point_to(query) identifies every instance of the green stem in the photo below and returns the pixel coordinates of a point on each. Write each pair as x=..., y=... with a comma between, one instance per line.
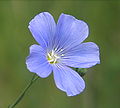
x=34, y=78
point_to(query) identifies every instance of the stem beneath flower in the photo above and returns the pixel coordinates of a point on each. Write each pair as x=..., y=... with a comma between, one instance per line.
x=34, y=78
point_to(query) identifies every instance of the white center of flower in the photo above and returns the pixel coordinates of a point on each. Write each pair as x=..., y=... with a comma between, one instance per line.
x=52, y=57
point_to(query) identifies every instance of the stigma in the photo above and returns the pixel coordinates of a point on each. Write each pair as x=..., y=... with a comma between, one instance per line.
x=53, y=57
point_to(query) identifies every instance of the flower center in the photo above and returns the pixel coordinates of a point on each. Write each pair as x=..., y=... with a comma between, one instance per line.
x=52, y=57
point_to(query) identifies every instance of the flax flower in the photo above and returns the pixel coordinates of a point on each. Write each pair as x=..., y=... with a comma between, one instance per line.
x=59, y=48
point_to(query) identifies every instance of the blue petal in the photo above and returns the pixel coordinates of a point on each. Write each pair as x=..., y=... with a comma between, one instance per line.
x=68, y=80
x=43, y=28
x=37, y=62
x=84, y=55
x=70, y=32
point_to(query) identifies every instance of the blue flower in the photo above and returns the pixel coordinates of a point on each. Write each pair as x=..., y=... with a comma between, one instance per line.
x=60, y=47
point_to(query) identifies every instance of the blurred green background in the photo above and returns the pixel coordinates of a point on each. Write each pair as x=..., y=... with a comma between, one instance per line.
x=102, y=81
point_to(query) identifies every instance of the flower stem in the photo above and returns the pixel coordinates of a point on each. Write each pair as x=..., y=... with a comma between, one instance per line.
x=34, y=78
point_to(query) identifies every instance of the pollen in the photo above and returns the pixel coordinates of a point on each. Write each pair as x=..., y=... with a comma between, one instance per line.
x=52, y=57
